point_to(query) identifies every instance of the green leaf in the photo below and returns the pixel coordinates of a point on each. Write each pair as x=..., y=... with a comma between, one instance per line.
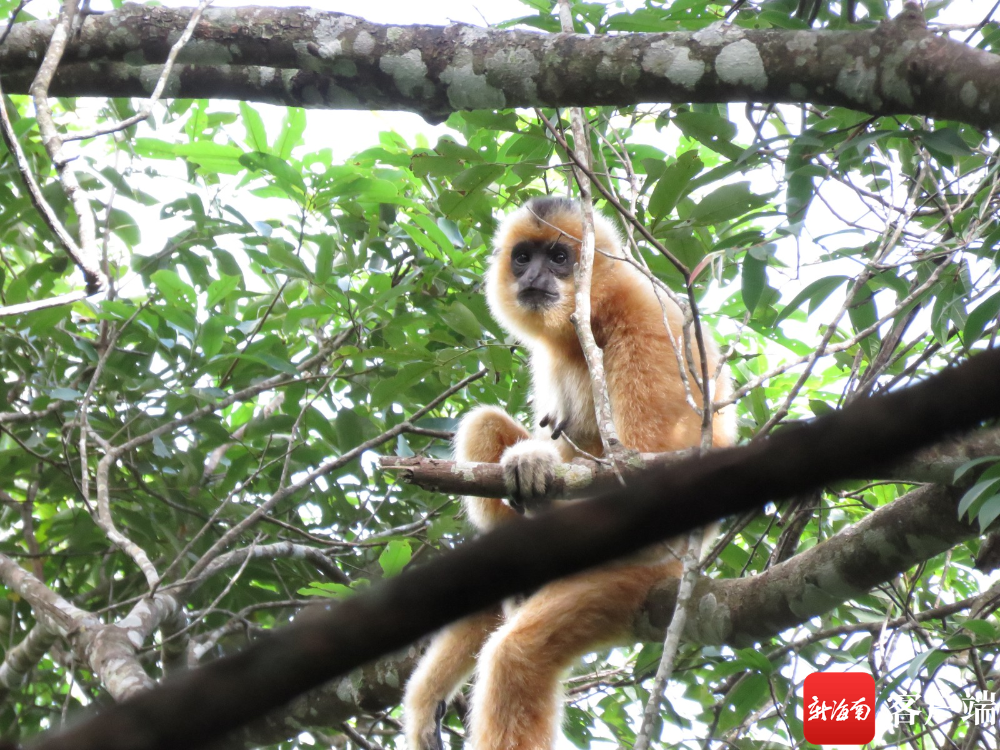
x=352, y=428
x=452, y=231
x=292, y=128
x=431, y=165
x=749, y=694
x=816, y=293
x=799, y=174
x=863, y=315
x=213, y=334
x=945, y=141
x=460, y=318
x=755, y=660
x=214, y=157
x=931, y=659
x=672, y=184
x=394, y=557
x=989, y=511
x=725, y=203
x=285, y=176
x=434, y=232
x=981, y=489
x=282, y=254
x=711, y=130
x=256, y=134
x=392, y=389
x=155, y=148
x=985, y=312
x=478, y=178
x=173, y=289
x=984, y=629
x=219, y=289
x=754, y=279
x=964, y=469
x=326, y=589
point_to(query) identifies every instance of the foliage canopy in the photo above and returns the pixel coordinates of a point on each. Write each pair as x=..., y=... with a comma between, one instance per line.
x=273, y=307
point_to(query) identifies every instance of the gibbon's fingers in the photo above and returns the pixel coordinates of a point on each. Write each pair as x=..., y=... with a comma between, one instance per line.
x=559, y=428
x=484, y=435
x=529, y=470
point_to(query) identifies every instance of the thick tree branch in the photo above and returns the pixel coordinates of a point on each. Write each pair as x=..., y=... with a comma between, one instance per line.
x=742, y=611
x=310, y=58
x=195, y=708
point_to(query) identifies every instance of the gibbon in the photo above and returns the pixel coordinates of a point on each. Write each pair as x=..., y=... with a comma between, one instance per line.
x=521, y=654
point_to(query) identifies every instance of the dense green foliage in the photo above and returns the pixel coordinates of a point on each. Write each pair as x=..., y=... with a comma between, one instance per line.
x=241, y=250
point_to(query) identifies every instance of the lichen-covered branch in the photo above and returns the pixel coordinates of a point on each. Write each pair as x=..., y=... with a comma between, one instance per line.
x=312, y=58
x=19, y=660
x=109, y=650
x=887, y=542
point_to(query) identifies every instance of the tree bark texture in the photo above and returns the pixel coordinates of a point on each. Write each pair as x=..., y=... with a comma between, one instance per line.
x=312, y=58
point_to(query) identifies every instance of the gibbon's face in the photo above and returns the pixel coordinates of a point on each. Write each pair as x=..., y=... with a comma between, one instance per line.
x=538, y=266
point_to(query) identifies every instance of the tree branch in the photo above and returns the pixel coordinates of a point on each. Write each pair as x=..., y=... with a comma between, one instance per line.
x=743, y=611
x=308, y=58
x=583, y=478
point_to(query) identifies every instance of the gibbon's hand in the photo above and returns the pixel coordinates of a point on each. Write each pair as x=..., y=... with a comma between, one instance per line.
x=529, y=469
x=558, y=426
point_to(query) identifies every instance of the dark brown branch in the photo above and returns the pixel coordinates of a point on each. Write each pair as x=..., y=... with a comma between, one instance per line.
x=194, y=709
x=309, y=58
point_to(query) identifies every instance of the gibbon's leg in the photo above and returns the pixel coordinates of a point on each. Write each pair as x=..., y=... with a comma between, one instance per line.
x=483, y=435
x=449, y=659
x=516, y=698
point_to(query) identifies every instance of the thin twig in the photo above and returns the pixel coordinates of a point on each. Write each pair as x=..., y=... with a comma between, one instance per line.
x=230, y=536
x=87, y=257
x=147, y=106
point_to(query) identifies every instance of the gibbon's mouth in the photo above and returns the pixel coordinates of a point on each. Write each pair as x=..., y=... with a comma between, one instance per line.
x=537, y=299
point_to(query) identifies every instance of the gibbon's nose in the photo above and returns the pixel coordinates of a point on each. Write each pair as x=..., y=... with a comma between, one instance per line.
x=532, y=273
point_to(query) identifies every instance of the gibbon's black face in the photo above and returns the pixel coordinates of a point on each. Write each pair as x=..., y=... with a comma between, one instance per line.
x=539, y=266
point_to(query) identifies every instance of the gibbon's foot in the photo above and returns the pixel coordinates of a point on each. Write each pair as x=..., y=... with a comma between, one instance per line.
x=529, y=469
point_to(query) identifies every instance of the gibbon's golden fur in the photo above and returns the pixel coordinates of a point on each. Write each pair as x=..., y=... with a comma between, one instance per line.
x=522, y=653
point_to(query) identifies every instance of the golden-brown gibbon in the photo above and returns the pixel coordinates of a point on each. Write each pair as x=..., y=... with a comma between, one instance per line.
x=522, y=652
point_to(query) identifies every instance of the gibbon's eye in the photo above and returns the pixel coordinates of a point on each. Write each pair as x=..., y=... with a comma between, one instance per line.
x=559, y=257
x=522, y=257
